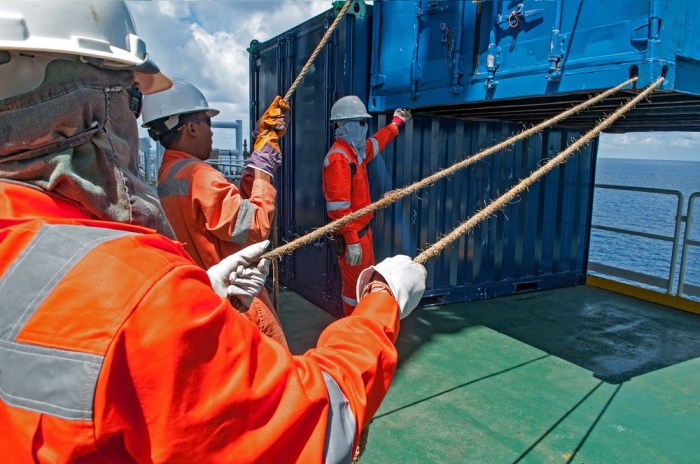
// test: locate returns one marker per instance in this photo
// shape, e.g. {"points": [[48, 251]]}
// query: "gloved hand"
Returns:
{"points": [[267, 155], [405, 278], [401, 116], [234, 276], [353, 254], [275, 118]]}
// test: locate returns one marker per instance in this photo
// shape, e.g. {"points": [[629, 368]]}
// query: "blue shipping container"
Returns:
{"points": [[539, 241], [531, 59]]}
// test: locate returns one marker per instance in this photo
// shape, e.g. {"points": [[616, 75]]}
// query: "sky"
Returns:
{"points": [[205, 42]]}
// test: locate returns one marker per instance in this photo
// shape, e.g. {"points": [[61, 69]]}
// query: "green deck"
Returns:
{"points": [[577, 375]]}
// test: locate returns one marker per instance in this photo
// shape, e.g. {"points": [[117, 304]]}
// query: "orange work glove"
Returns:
{"points": [[267, 155], [272, 125]]}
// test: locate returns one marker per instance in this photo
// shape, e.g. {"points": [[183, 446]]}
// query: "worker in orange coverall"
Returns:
{"points": [[209, 215], [115, 346], [346, 186]]}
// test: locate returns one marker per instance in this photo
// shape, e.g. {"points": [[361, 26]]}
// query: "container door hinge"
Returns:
{"points": [[415, 78]]}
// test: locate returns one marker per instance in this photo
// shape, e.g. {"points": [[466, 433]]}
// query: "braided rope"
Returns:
{"points": [[504, 199], [395, 195], [320, 45]]}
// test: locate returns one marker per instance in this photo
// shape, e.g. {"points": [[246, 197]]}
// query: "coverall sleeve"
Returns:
{"points": [[227, 214], [188, 379], [379, 140]]}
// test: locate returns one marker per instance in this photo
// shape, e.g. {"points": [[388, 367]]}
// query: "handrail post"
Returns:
{"points": [[676, 241], [686, 239]]}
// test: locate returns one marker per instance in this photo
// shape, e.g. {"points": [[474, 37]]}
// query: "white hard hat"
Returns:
{"points": [[349, 107], [100, 33], [181, 98]]}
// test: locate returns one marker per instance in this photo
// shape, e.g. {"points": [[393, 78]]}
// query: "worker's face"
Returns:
{"points": [[201, 128]]}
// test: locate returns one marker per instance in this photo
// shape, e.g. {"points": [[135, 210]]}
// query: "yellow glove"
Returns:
{"points": [[272, 125], [267, 155]]}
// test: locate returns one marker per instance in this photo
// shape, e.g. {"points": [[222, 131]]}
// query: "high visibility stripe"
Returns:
{"points": [[46, 380], [172, 186], [350, 301], [327, 161], [340, 429], [244, 219], [375, 146], [336, 205]]}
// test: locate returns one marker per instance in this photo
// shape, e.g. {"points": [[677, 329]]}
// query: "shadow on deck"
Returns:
{"points": [[569, 375]]}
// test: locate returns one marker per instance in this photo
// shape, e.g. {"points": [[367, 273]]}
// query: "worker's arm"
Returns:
{"points": [[226, 213], [375, 144], [187, 379]]}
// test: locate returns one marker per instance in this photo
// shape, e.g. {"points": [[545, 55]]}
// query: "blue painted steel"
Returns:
{"points": [[340, 69], [449, 52], [539, 241]]}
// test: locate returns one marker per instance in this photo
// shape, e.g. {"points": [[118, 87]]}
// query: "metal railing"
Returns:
{"points": [[680, 240]]}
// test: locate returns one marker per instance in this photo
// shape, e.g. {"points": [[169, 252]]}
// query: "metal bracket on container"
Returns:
{"points": [[517, 16], [492, 66], [434, 6], [377, 80], [641, 35], [556, 56]]}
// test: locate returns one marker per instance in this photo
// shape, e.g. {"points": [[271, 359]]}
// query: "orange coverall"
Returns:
{"points": [[114, 348], [345, 193], [213, 220]]}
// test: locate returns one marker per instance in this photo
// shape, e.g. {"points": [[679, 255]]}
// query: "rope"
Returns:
{"points": [[287, 96], [395, 195], [500, 202], [320, 45]]}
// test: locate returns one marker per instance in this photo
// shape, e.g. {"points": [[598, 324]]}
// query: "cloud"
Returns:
{"points": [[661, 145], [205, 42]]}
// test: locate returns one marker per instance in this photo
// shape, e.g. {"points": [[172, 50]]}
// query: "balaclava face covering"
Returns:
{"points": [[75, 137], [356, 135]]}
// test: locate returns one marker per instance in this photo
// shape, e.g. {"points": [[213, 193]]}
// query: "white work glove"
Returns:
{"points": [[401, 116], [235, 277], [353, 254], [405, 278]]}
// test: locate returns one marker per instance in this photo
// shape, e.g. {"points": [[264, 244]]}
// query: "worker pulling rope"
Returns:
{"points": [[395, 195], [287, 96], [562, 157]]}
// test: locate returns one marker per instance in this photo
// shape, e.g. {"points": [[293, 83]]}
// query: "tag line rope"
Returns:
{"points": [[395, 195]]}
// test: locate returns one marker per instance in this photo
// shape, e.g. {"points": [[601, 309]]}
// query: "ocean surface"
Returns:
{"points": [[645, 212]]}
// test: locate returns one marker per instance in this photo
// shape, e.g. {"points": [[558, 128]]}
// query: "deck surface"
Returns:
{"points": [[574, 375]]}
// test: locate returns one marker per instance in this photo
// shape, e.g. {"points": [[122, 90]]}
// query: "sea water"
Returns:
{"points": [[645, 212]]}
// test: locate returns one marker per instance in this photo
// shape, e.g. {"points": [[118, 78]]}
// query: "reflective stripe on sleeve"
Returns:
{"points": [[172, 186], [244, 219], [375, 146], [340, 429], [327, 161], [336, 205], [350, 301], [46, 380]]}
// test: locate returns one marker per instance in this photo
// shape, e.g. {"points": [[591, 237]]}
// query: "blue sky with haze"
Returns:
{"points": [[205, 42]]}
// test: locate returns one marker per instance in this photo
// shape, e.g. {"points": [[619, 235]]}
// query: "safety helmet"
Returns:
{"points": [[166, 107], [349, 107], [99, 33]]}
